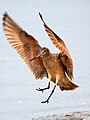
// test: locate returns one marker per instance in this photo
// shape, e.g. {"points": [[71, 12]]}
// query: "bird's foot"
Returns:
{"points": [[42, 89], [46, 101], [39, 89]]}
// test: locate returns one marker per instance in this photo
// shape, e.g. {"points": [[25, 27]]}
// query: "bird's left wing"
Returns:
{"points": [[65, 57], [26, 46]]}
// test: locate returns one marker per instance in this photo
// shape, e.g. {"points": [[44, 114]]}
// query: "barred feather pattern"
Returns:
{"points": [[26, 46]]}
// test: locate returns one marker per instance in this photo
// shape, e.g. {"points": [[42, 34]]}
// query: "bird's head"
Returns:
{"points": [[43, 53]]}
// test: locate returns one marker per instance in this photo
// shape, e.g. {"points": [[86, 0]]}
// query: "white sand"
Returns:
{"points": [[69, 116]]}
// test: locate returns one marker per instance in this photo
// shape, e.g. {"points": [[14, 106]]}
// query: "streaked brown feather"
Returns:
{"points": [[59, 43], [25, 45], [67, 64]]}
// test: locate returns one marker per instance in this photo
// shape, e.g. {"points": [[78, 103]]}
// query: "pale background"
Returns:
{"points": [[70, 19]]}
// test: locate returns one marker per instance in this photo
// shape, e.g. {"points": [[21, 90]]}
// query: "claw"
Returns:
{"points": [[42, 89], [46, 101], [39, 89]]}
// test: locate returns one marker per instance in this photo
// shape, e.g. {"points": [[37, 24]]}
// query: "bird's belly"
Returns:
{"points": [[55, 70]]}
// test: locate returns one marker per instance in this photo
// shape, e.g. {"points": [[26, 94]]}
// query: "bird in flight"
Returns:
{"points": [[57, 67]]}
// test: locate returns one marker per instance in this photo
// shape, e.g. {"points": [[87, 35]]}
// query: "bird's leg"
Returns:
{"points": [[42, 89], [47, 101]]}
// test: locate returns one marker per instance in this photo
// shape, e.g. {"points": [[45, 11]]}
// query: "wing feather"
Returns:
{"points": [[59, 43], [26, 46]]}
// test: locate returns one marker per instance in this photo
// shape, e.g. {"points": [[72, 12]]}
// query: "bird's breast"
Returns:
{"points": [[53, 67]]}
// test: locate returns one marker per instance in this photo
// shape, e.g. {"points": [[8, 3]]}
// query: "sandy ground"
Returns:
{"points": [[69, 116]]}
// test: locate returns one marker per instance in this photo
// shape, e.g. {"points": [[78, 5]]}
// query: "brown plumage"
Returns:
{"points": [[58, 68], [26, 46]]}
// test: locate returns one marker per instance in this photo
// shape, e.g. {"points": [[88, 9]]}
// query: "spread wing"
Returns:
{"points": [[26, 46], [59, 43]]}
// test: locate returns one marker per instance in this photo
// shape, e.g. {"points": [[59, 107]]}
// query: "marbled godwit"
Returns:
{"points": [[58, 67]]}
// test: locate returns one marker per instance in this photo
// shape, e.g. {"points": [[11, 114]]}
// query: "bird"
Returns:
{"points": [[56, 67]]}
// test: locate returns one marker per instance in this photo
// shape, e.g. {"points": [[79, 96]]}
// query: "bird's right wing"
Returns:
{"points": [[57, 41], [65, 57], [26, 46]]}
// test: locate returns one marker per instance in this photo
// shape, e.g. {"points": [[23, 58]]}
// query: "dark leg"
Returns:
{"points": [[42, 89], [47, 101]]}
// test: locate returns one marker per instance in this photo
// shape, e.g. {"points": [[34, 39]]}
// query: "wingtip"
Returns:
{"points": [[4, 17], [40, 15], [5, 13]]}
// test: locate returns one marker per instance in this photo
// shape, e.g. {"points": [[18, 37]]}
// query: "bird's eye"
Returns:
{"points": [[44, 50]]}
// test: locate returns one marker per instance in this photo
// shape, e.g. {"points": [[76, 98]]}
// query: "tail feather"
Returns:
{"points": [[67, 85]]}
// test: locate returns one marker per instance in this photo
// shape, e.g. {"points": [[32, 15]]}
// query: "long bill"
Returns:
{"points": [[35, 57]]}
